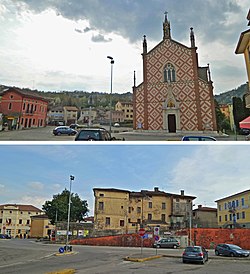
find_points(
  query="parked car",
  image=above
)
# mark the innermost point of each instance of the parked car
(244, 131)
(198, 138)
(64, 130)
(116, 124)
(5, 236)
(195, 254)
(167, 243)
(93, 134)
(74, 126)
(230, 250)
(247, 137)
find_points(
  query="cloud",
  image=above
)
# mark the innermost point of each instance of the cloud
(2, 187)
(132, 19)
(212, 172)
(36, 185)
(100, 38)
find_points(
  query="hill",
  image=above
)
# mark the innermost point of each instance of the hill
(226, 97)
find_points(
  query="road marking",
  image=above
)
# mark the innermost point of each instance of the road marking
(63, 271)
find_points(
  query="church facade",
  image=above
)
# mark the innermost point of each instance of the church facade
(176, 95)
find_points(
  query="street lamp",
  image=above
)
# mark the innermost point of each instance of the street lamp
(71, 177)
(111, 83)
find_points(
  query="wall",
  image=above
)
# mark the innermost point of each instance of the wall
(128, 240)
(207, 237)
(210, 237)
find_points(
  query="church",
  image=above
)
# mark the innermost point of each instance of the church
(176, 94)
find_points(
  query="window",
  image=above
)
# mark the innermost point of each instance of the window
(225, 218)
(163, 206)
(149, 216)
(169, 73)
(163, 217)
(101, 205)
(149, 204)
(230, 217)
(219, 218)
(101, 195)
(107, 221)
(121, 222)
(219, 207)
(1, 221)
(129, 210)
(138, 221)
(238, 215)
(242, 201)
(10, 106)
(20, 221)
(225, 206)
(237, 203)
(28, 222)
(243, 215)
(138, 209)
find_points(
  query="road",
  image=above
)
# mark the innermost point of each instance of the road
(30, 257)
(45, 134)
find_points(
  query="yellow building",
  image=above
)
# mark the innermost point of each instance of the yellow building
(127, 108)
(234, 210)
(41, 226)
(125, 211)
(227, 110)
(243, 47)
(15, 220)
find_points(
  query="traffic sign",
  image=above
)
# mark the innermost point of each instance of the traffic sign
(157, 238)
(141, 231)
(156, 230)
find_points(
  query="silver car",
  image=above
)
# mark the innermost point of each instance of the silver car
(167, 243)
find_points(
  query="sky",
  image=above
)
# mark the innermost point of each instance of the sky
(53, 45)
(32, 174)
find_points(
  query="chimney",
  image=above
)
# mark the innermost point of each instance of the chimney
(182, 192)
(156, 189)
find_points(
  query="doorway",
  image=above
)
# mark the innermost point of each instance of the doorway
(172, 123)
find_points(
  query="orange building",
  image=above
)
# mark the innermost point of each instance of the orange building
(23, 108)
(176, 94)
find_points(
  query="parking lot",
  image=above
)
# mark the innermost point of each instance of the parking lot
(46, 134)
(30, 257)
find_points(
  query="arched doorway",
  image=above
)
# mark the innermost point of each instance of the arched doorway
(171, 123)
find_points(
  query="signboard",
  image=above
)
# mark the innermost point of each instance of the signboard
(141, 231)
(156, 230)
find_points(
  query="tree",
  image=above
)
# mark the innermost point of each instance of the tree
(238, 111)
(57, 209)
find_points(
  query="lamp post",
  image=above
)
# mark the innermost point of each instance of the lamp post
(111, 84)
(67, 236)
(190, 223)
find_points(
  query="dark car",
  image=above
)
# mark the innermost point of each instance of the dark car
(244, 131)
(167, 243)
(195, 254)
(74, 126)
(5, 236)
(248, 137)
(230, 250)
(198, 138)
(93, 134)
(64, 130)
